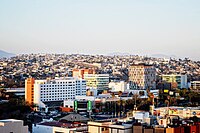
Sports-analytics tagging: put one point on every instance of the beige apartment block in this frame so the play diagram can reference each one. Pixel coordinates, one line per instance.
(142, 76)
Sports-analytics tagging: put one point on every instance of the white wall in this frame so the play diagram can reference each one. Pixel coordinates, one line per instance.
(42, 129)
(118, 86)
(57, 89)
(12, 125)
(184, 81)
(68, 103)
(91, 98)
(50, 129)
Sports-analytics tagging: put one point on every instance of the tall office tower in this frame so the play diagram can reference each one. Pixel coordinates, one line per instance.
(179, 80)
(79, 73)
(97, 81)
(43, 91)
(142, 76)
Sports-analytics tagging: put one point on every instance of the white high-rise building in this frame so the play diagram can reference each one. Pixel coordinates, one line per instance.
(57, 89)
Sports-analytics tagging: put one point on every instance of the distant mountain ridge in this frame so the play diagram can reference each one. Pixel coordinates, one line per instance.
(163, 56)
(153, 55)
(4, 54)
(118, 54)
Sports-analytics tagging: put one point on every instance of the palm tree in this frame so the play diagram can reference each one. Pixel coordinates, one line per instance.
(123, 106)
(113, 95)
(120, 101)
(135, 97)
(120, 94)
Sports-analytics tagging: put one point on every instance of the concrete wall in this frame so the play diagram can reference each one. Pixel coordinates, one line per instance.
(49, 129)
(13, 126)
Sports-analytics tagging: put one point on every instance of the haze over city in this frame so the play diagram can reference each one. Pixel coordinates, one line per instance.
(101, 27)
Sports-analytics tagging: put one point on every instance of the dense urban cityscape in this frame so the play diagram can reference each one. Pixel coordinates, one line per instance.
(41, 66)
(98, 93)
(99, 66)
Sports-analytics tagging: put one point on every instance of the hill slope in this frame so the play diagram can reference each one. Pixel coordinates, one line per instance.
(6, 54)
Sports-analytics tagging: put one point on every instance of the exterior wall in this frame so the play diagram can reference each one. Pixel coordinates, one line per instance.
(108, 127)
(91, 98)
(184, 81)
(15, 126)
(142, 76)
(82, 103)
(149, 130)
(49, 129)
(57, 90)
(37, 95)
(42, 129)
(180, 80)
(79, 73)
(195, 85)
(91, 92)
(120, 128)
(29, 90)
(94, 129)
(68, 103)
(137, 129)
(118, 86)
(98, 127)
(159, 130)
(97, 81)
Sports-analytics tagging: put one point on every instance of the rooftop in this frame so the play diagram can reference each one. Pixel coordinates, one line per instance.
(61, 124)
(10, 120)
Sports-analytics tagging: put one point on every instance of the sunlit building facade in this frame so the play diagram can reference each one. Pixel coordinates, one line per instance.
(142, 76)
(55, 90)
(97, 81)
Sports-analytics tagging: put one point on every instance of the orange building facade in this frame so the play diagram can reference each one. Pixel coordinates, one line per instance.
(79, 73)
(29, 90)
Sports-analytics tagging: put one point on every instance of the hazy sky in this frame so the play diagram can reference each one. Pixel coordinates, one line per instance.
(141, 27)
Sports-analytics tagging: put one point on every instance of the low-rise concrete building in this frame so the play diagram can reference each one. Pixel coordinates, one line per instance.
(195, 86)
(109, 127)
(59, 127)
(12, 126)
(118, 86)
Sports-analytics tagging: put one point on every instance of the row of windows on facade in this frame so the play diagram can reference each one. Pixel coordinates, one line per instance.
(141, 68)
(57, 89)
(63, 85)
(62, 91)
(95, 84)
(142, 72)
(67, 87)
(147, 79)
(56, 99)
(140, 75)
(65, 82)
(91, 85)
(59, 96)
(145, 82)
